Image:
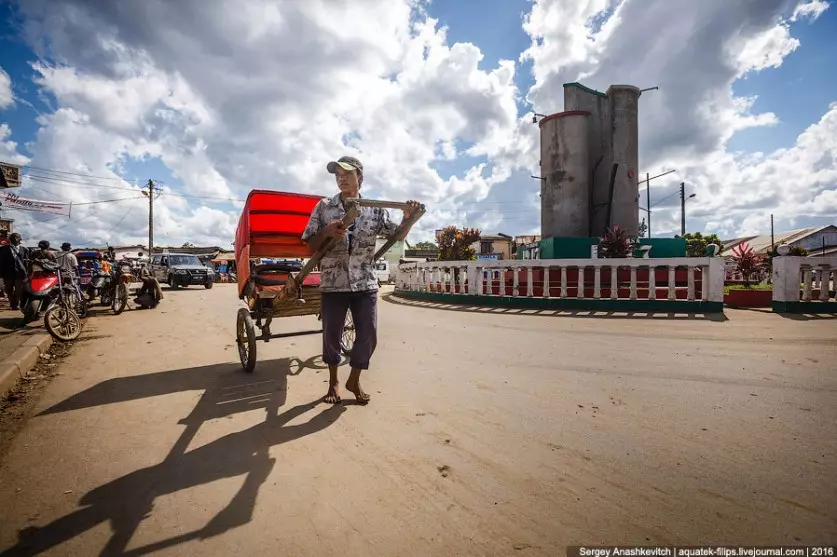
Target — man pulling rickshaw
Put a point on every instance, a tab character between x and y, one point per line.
339	235
347	280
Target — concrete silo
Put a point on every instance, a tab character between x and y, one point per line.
593	143
624	103
565	169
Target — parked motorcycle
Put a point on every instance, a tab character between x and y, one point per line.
39	288
45	290
97	285
114	291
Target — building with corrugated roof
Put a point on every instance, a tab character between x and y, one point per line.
815	239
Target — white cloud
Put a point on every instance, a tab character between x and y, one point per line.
811	10
8	148
250	94
246	96
765	50
6	95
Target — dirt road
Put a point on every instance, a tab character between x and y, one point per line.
488	433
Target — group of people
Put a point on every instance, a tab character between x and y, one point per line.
16	260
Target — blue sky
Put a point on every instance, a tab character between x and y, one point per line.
799	92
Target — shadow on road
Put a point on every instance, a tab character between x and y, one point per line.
127	501
590	314
808	316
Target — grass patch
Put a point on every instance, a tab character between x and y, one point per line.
752	287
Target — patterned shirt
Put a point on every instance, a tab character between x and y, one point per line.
347	266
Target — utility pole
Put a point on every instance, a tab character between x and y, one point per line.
772	240
682	209
648	200
647	209
150	194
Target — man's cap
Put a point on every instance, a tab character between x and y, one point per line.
346	163
66	246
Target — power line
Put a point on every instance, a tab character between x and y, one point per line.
72	173
76	183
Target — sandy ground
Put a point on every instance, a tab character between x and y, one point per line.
489	433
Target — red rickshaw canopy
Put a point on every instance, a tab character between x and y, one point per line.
270	226
272	223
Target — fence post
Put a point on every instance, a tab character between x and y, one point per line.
786	280
715	286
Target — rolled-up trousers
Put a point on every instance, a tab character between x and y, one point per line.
364	308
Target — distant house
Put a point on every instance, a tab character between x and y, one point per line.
494	246
394	254
204	253
815	239
419	255
137	251
819	241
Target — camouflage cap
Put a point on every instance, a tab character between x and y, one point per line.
346	163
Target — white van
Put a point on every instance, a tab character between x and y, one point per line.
382	271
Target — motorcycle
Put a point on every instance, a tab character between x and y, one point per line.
97	286
114	291
46	290
39	289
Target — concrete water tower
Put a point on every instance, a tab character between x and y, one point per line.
589	156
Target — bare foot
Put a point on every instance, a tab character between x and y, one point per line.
353	385
333	394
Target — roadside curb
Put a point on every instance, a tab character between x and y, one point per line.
22	360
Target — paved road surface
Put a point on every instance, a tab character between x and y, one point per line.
489	433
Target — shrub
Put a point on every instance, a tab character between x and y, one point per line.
616	244
746	261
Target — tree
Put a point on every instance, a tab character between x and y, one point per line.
455	244
643	229
188	245
426	246
767	261
696	243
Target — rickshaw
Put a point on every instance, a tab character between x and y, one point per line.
87	275
270	227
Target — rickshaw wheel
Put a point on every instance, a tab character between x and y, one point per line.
246	339
347	341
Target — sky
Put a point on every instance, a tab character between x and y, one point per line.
211	99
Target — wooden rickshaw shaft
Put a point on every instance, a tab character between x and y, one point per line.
351	214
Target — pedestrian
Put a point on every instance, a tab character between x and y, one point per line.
348	281
67	260
13	268
43	252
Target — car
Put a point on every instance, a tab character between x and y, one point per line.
180	269
382	271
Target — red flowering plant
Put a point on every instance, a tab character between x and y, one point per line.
746	261
616	244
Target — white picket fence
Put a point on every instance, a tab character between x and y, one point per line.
687	278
